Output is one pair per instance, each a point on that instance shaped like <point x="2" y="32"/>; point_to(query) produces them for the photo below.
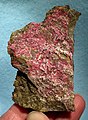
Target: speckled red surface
<point x="44" y="51"/>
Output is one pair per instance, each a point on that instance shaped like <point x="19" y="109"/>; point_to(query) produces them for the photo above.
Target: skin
<point x="18" y="113"/>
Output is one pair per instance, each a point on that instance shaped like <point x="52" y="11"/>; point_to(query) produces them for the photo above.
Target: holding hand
<point x="18" y="113"/>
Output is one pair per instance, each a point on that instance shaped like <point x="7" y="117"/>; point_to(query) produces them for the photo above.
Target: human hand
<point x="18" y="113"/>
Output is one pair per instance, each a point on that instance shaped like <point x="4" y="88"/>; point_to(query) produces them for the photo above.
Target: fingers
<point x="79" y="107"/>
<point x="15" y="113"/>
<point x="18" y="113"/>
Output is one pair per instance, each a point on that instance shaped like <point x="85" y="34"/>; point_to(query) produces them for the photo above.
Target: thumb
<point x="34" y="115"/>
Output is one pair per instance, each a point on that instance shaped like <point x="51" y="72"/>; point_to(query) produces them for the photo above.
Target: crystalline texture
<point x="43" y="54"/>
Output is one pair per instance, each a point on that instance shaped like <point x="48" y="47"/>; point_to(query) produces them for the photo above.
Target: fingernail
<point x="34" y="115"/>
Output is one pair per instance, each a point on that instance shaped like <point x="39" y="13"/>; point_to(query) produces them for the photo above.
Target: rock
<point x="43" y="54"/>
<point x="26" y="94"/>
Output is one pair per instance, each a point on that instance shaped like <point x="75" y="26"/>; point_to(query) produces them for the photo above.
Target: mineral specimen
<point x="43" y="54"/>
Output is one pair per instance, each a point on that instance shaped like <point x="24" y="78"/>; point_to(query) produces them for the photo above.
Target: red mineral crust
<point x="44" y="53"/>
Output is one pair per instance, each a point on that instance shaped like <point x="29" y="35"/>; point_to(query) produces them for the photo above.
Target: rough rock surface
<point x="43" y="52"/>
